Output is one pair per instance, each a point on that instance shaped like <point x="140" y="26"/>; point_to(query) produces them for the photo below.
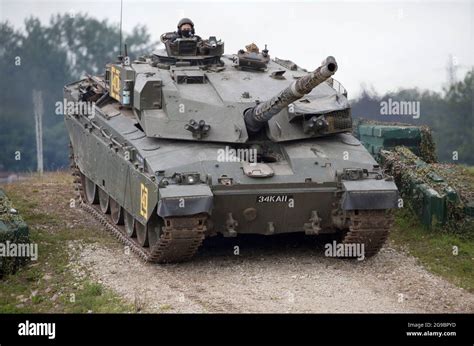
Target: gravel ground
<point x="270" y="274"/>
<point x="279" y="274"/>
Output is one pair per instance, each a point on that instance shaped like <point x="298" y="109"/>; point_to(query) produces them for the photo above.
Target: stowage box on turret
<point x="189" y="142"/>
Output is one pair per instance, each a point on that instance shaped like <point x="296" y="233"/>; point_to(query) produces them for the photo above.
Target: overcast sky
<point x="384" y="44"/>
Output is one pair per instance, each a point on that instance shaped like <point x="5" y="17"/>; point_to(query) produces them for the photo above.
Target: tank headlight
<point x="191" y="178"/>
<point x="185" y="178"/>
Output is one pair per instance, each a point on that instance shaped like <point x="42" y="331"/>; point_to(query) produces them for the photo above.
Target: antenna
<point x="451" y="69"/>
<point x="121" y="7"/>
<point x="38" y="112"/>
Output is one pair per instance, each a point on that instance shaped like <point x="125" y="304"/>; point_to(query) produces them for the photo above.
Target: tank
<point x="188" y="143"/>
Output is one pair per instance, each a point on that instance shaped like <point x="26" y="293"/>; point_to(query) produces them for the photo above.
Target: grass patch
<point x="92" y="297"/>
<point x="166" y="308"/>
<point x="435" y="249"/>
<point x="470" y="169"/>
<point x="48" y="285"/>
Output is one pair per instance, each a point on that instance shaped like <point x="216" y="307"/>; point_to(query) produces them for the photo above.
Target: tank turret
<point x="256" y="117"/>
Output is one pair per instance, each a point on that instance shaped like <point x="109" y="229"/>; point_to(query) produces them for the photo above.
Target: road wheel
<point x="129" y="223"/>
<point x="90" y="190"/>
<point x="104" y="201"/>
<point x="116" y="212"/>
<point x="154" y="229"/>
<point x="142" y="233"/>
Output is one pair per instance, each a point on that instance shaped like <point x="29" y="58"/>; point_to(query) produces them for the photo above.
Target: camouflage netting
<point x="427" y="145"/>
<point x="6" y="214"/>
<point x="12" y="230"/>
<point x="442" y="195"/>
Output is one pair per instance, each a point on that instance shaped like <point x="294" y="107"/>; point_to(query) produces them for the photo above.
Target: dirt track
<point x="271" y="274"/>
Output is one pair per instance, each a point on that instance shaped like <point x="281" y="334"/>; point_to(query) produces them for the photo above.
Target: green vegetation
<point x="49" y="284"/>
<point x="471" y="171"/>
<point x="443" y="252"/>
<point x="436" y="250"/>
<point x="45" y="58"/>
<point x="449" y="114"/>
<point x="440" y="194"/>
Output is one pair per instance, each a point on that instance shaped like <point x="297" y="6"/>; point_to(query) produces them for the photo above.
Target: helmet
<point x="185" y="21"/>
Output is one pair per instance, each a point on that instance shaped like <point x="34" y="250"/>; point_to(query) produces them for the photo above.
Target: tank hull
<point x="305" y="192"/>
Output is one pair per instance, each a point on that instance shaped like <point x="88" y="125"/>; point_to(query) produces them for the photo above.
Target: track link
<point x="369" y="227"/>
<point x="179" y="240"/>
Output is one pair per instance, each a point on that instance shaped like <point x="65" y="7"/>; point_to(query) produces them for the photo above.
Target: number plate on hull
<point x="274" y="198"/>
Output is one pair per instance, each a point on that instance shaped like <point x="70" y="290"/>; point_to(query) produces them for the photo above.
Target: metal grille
<point x="342" y="119"/>
<point x="187" y="48"/>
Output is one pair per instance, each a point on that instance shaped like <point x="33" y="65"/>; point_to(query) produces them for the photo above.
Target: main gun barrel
<point x="256" y="117"/>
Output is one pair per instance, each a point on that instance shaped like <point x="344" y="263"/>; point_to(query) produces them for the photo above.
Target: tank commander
<point x="185" y="30"/>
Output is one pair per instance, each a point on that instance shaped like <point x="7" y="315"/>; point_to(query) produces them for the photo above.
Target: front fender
<point x="182" y="200"/>
<point x="369" y="194"/>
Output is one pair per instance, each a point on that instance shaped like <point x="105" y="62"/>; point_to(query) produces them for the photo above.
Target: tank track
<point x="178" y="242"/>
<point x="369" y="227"/>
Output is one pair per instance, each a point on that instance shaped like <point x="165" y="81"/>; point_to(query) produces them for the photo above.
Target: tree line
<point x="448" y="113"/>
<point x="45" y="57"/>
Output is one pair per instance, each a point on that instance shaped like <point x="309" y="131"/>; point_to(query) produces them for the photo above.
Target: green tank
<point x="13" y="230"/>
<point x="188" y="143"/>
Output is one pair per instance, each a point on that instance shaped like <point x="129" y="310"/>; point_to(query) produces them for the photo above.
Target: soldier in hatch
<point x="185" y="30"/>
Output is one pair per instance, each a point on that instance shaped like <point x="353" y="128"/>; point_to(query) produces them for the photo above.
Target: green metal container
<point x="377" y="136"/>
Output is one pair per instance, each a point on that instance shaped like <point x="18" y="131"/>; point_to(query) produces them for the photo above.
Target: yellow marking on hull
<point x="144" y="201"/>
